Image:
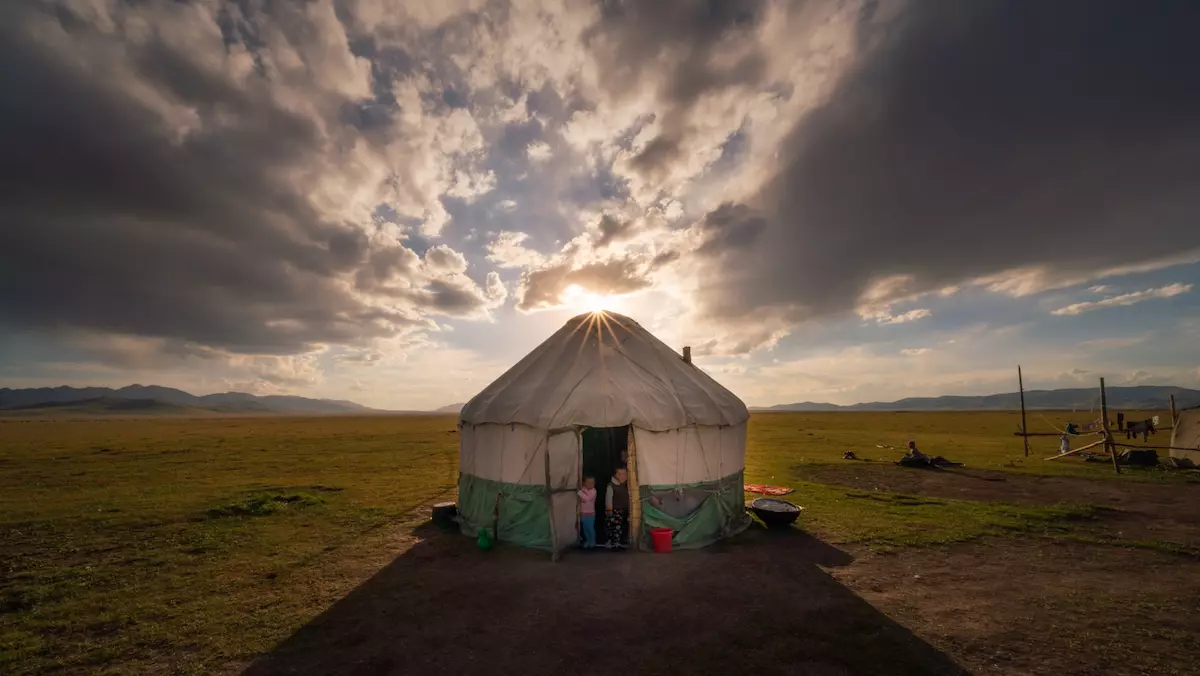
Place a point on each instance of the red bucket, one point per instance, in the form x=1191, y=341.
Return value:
x=662, y=539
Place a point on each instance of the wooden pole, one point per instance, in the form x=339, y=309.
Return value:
x=1172, y=410
x=1077, y=450
x=1108, y=442
x=635, y=495
x=1024, y=429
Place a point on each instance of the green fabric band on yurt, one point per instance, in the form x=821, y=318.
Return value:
x=721, y=512
x=524, y=510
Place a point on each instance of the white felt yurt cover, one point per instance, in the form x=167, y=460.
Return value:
x=1186, y=435
x=604, y=370
x=521, y=437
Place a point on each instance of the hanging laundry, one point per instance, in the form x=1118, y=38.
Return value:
x=1144, y=428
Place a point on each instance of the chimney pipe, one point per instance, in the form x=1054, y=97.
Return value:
x=687, y=354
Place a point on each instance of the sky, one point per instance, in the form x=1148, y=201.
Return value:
x=392, y=201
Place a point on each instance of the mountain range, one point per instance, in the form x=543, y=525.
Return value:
x=157, y=400
x=1142, y=398
x=153, y=399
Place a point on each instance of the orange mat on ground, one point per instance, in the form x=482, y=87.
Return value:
x=768, y=490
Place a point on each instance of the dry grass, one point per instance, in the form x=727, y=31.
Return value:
x=192, y=545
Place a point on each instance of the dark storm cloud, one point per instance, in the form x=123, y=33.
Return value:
x=972, y=138
x=673, y=42
x=731, y=226
x=113, y=222
x=611, y=229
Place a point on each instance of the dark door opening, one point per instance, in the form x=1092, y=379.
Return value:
x=602, y=450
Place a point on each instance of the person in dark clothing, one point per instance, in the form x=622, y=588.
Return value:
x=616, y=506
x=915, y=458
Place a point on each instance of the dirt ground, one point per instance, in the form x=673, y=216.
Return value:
x=1135, y=510
x=767, y=603
x=763, y=604
x=1040, y=607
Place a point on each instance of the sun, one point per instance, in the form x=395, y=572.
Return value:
x=580, y=299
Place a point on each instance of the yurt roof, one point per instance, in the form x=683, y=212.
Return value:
x=603, y=369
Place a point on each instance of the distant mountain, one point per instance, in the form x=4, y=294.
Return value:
x=105, y=405
x=1142, y=397
x=450, y=408
x=800, y=406
x=164, y=401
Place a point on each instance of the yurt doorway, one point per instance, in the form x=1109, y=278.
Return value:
x=604, y=449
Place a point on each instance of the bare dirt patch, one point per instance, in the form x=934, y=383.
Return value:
x=1137, y=510
x=761, y=604
x=1039, y=607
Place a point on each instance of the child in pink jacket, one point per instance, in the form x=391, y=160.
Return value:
x=587, y=512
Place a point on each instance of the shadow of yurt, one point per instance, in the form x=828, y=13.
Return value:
x=756, y=603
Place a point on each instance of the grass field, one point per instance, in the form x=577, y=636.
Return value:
x=192, y=545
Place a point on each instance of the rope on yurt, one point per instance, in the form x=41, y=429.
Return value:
x=683, y=467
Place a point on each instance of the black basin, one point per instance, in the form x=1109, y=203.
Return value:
x=775, y=513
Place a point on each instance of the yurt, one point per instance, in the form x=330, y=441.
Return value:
x=600, y=393
x=1186, y=435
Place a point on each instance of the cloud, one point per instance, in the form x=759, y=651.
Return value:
x=1140, y=377
x=191, y=183
x=911, y=316
x=1169, y=291
x=443, y=258
x=967, y=141
x=1027, y=281
x=121, y=356
x=206, y=176
x=364, y=357
x=609, y=230
x=734, y=226
x=539, y=151
x=495, y=289
x=546, y=287
x=508, y=250
x=915, y=351
x=680, y=51
x=278, y=374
